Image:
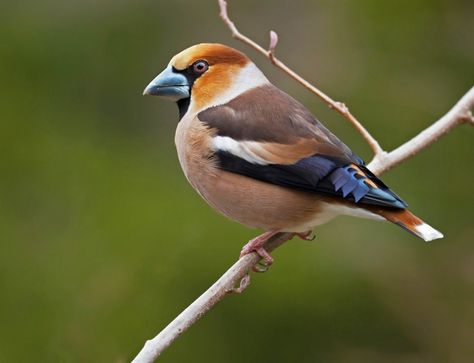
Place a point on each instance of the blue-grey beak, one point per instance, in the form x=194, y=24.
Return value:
x=168, y=84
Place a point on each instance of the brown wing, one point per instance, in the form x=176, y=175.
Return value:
x=267, y=135
x=270, y=116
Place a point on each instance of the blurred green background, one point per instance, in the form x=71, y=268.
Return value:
x=103, y=242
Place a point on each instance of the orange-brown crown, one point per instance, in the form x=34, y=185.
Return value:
x=212, y=53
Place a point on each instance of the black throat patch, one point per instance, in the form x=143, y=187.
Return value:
x=183, y=106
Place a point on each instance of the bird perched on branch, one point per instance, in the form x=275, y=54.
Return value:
x=260, y=157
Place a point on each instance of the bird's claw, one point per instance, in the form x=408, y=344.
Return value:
x=243, y=284
x=256, y=245
x=264, y=264
x=307, y=236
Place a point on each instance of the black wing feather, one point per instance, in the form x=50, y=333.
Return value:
x=320, y=174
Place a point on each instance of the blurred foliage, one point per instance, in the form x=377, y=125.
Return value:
x=103, y=241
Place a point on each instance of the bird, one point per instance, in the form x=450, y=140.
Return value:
x=259, y=157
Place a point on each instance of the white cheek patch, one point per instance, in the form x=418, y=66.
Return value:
x=248, y=77
x=243, y=149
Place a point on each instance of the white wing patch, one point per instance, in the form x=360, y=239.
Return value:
x=246, y=150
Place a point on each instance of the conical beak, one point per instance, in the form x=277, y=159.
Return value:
x=170, y=85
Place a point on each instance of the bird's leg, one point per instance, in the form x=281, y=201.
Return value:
x=306, y=236
x=256, y=245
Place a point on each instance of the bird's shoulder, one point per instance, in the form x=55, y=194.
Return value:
x=268, y=115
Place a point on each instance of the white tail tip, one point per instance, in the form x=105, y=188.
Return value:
x=427, y=232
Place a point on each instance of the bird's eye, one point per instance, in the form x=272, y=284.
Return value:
x=200, y=67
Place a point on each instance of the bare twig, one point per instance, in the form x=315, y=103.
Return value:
x=270, y=54
x=236, y=279
x=236, y=275
x=383, y=160
x=459, y=114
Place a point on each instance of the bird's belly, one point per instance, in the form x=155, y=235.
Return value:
x=262, y=205
x=251, y=202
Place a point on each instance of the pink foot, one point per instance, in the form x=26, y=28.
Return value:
x=256, y=245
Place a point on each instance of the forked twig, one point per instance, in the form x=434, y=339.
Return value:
x=270, y=53
x=237, y=275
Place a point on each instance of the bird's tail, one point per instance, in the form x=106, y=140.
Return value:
x=411, y=223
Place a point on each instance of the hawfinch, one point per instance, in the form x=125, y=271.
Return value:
x=260, y=157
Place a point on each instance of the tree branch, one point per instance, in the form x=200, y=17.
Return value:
x=459, y=114
x=270, y=54
x=238, y=274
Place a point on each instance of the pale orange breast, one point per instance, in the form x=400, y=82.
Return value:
x=248, y=201
x=261, y=205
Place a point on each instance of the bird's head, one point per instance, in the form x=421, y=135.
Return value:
x=205, y=75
